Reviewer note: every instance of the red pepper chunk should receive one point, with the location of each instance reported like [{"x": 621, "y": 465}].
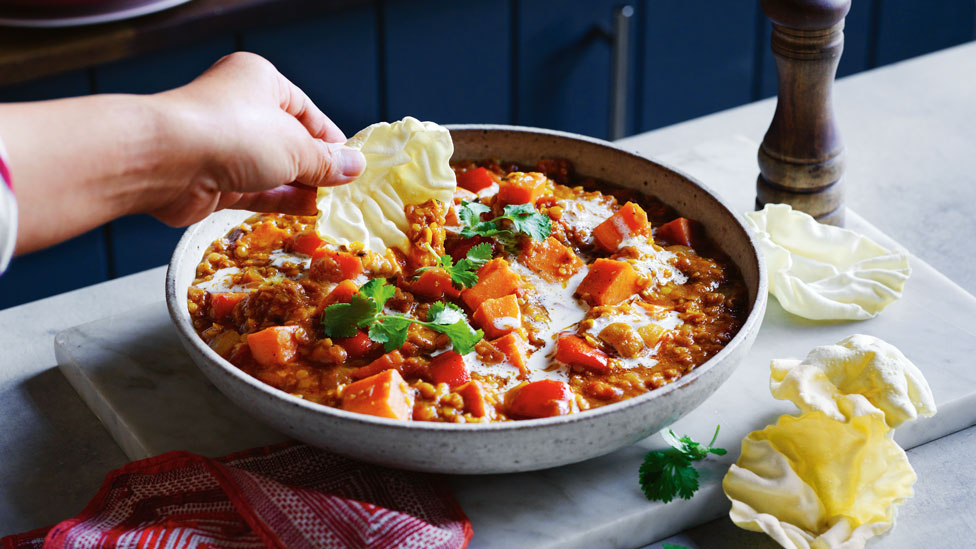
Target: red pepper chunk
[
  {"x": 434, "y": 284},
  {"x": 448, "y": 367},
  {"x": 543, "y": 398},
  {"x": 475, "y": 180},
  {"x": 306, "y": 243},
  {"x": 356, "y": 346},
  {"x": 577, "y": 352}
]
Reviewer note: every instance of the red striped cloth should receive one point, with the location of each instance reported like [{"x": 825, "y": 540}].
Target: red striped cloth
[{"x": 288, "y": 496}]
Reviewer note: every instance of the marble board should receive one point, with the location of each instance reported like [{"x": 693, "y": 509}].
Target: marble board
[{"x": 133, "y": 373}]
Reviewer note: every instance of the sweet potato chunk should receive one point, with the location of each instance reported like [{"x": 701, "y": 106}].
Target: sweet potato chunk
[
  {"x": 389, "y": 361},
  {"x": 223, "y": 303},
  {"x": 543, "y": 398},
  {"x": 513, "y": 346},
  {"x": 273, "y": 347},
  {"x": 629, "y": 220},
  {"x": 307, "y": 242},
  {"x": 384, "y": 394},
  {"x": 679, "y": 231},
  {"x": 608, "y": 283},
  {"x": 550, "y": 259},
  {"x": 474, "y": 398},
  {"x": 521, "y": 188},
  {"x": 498, "y": 316},
  {"x": 334, "y": 266},
  {"x": 495, "y": 279}
]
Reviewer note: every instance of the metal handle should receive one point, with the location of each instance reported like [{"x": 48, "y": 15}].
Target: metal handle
[{"x": 620, "y": 52}]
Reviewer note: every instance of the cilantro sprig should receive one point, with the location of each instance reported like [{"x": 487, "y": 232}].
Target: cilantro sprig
[
  {"x": 523, "y": 219},
  {"x": 464, "y": 273},
  {"x": 365, "y": 312},
  {"x": 666, "y": 474}
]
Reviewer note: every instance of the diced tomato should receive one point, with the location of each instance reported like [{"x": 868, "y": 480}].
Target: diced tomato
[
  {"x": 521, "y": 188},
  {"x": 495, "y": 279},
  {"x": 475, "y": 180},
  {"x": 391, "y": 360},
  {"x": 434, "y": 284},
  {"x": 474, "y": 398},
  {"x": 448, "y": 367},
  {"x": 608, "y": 282},
  {"x": 307, "y": 242},
  {"x": 577, "y": 352},
  {"x": 678, "y": 231},
  {"x": 356, "y": 346},
  {"x": 223, "y": 303},
  {"x": 334, "y": 266},
  {"x": 629, "y": 220},
  {"x": 385, "y": 394},
  {"x": 543, "y": 398},
  {"x": 498, "y": 316},
  {"x": 273, "y": 347}
]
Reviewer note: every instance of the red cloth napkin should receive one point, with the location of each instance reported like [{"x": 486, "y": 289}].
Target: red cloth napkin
[{"x": 288, "y": 495}]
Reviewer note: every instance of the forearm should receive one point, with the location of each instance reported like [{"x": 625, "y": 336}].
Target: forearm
[{"x": 78, "y": 163}]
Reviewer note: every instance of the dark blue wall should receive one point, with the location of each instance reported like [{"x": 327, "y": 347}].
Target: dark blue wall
[{"x": 533, "y": 62}]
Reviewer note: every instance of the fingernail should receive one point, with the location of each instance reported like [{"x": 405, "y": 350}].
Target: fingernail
[{"x": 353, "y": 162}]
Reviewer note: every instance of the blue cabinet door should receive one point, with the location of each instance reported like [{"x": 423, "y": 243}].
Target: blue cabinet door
[
  {"x": 79, "y": 262},
  {"x": 448, "y": 61},
  {"x": 140, "y": 242},
  {"x": 698, "y": 58},
  {"x": 563, "y": 65},
  {"x": 333, "y": 58},
  {"x": 907, "y": 28}
]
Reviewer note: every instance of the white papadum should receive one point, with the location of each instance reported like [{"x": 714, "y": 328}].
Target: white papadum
[
  {"x": 833, "y": 476},
  {"x": 407, "y": 162},
  {"x": 823, "y": 272}
]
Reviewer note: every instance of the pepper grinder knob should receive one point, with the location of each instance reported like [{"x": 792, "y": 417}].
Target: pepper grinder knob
[{"x": 801, "y": 159}]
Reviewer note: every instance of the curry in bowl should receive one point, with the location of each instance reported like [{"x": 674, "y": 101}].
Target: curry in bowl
[{"x": 533, "y": 294}]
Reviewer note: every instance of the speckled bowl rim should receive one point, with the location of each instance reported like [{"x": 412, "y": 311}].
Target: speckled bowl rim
[{"x": 757, "y": 306}]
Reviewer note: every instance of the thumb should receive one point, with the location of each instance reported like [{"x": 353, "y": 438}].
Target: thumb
[{"x": 323, "y": 164}]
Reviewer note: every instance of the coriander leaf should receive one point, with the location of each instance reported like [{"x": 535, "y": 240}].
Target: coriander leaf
[
  {"x": 469, "y": 213},
  {"x": 391, "y": 331},
  {"x": 449, "y": 320},
  {"x": 463, "y": 274},
  {"x": 343, "y": 319},
  {"x": 378, "y": 291},
  {"x": 662, "y": 475},
  {"x": 527, "y": 220},
  {"x": 666, "y": 474}
]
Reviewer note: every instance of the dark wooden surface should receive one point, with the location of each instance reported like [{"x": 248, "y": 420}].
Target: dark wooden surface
[
  {"x": 26, "y": 54},
  {"x": 801, "y": 159}
]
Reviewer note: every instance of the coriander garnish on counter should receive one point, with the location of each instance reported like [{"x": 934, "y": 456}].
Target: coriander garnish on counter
[{"x": 666, "y": 474}]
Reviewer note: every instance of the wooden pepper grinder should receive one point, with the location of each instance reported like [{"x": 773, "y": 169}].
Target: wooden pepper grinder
[{"x": 801, "y": 159}]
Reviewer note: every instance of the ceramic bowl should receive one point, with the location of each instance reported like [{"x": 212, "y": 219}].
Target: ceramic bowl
[{"x": 508, "y": 446}]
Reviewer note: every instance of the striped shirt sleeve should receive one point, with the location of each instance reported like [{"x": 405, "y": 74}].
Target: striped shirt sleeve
[{"x": 8, "y": 213}]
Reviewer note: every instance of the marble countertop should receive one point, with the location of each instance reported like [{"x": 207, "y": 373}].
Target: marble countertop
[{"x": 909, "y": 135}]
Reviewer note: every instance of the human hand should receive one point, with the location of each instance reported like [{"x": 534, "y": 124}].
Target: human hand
[{"x": 242, "y": 136}]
